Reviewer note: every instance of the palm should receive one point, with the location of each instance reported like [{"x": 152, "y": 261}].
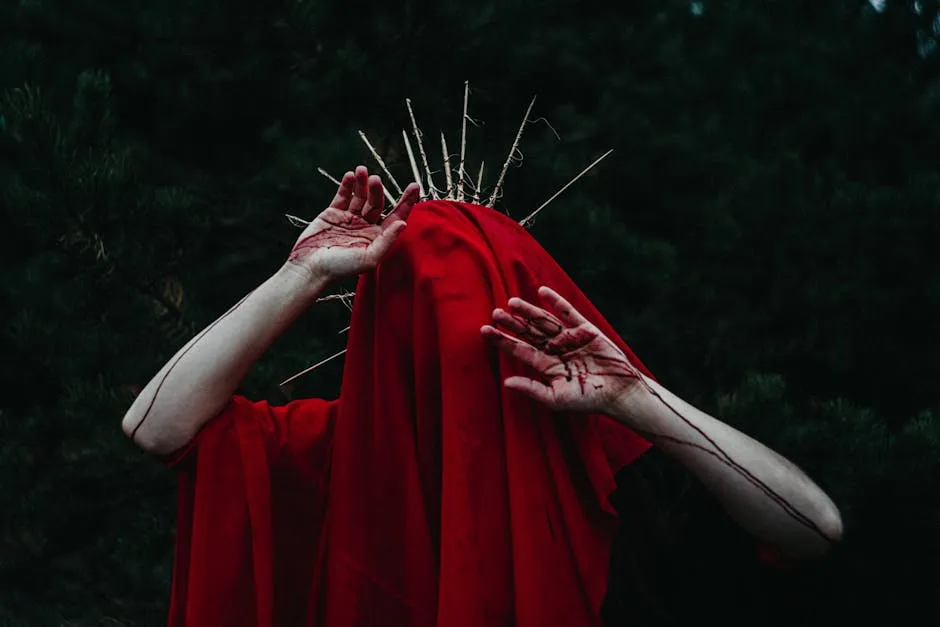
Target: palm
[
  {"x": 579, "y": 368},
  {"x": 339, "y": 242},
  {"x": 582, "y": 377},
  {"x": 347, "y": 238}
]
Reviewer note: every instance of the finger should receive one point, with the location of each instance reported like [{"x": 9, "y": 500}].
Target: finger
[
  {"x": 375, "y": 199},
  {"x": 533, "y": 389},
  {"x": 406, "y": 203},
  {"x": 571, "y": 340},
  {"x": 344, "y": 193},
  {"x": 513, "y": 323},
  {"x": 536, "y": 317},
  {"x": 380, "y": 245},
  {"x": 520, "y": 327},
  {"x": 359, "y": 191},
  {"x": 560, "y": 306},
  {"x": 524, "y": 352}
]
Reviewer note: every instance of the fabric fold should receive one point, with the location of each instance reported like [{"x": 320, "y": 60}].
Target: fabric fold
[{"x": 428, "y": 495}]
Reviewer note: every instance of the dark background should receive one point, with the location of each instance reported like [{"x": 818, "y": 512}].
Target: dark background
[{"x": 761, "y": 235}]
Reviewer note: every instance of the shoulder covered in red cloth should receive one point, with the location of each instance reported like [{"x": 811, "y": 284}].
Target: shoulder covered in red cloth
[{"x": 252, "y": 489}]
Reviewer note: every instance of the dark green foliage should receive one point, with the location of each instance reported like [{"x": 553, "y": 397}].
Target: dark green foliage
[{"x": 770, "y": 207}]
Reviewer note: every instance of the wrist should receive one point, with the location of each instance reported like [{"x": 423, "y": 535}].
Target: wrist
[
  {"x": 307, "y": 284},
  {"x": 635, "y": 405}
]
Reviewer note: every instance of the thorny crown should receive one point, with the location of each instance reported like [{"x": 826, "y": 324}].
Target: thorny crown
[{"x": 457, "y": 188}]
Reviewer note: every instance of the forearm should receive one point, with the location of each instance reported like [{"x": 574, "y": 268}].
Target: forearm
[
  {"x": 198, "y": 382},
  {"x": 765, "y": 493}
]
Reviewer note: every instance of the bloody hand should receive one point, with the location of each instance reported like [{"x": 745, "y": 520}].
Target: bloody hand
[
  {"x": 346, "y": 238},
  {"x": 579, "y": 368},
  {"x": 583, "y": 370}
]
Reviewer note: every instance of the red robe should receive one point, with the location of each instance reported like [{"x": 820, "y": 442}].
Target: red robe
[{"x": 428, "y": 495}]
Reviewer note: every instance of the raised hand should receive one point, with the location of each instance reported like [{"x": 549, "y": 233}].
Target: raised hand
[
  {"x": 580, "y": 369},
  {"x": 347, "y": 238}
]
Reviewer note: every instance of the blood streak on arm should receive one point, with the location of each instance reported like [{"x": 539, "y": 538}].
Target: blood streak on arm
[{"x": 549, "y": 335}]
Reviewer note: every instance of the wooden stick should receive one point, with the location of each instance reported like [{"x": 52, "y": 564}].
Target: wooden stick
[
  {"x": 311, "y": 368},
  {"x": 414, "y": 164},
  {"x": 343, "y": 296},
  {"x": 463, "y": 141},
  {"x": 295, "y": 221},
  {"x": 512, "y": 151},
  {"x": 388, "y": 194},
  {"x": 447, "y": 172},
  {"x": 383, "y": 166},
  {"x": 329, "y": 176},
  {"x": 476, "y": 191},
  {"x": 528, "y": 219},
  {"x": 424, "y": 157}
]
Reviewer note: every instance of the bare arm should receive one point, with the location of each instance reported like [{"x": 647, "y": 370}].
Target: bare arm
[
  {"x": 761, "y": 490},
  {"x": 198, "y": 382},
  {"x": 346, "y": 239},
  {"x": 583, "y": 370}
]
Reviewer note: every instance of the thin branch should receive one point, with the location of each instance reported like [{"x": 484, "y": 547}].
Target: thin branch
[
  {"x": 388, "y": 194},
  {"x": 463, "y": 141},
  {"x": 424, "y": 157},
  {"x": 414, "y": 164},
  {"x": 476, "y": 191},
  {"x": 391, "y": 178},
  {"x": 344, "y": 296},
  {"x": 512, "y": 152},
  {"x": 295, "y": 221},
  {"x": 311, "y": 368},
  {"x": 329, "y": 176},
  {"x": 528, "y": 219},
  {"x": 447, "y": 172}
]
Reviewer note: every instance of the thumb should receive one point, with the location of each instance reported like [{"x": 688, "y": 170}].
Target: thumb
[
  {"x": 533, "y": 389},
  {"x": 386, "y": 238}
]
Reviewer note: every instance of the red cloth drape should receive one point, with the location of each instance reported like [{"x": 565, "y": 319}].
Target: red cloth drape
[{"x": 428, "y": 494}]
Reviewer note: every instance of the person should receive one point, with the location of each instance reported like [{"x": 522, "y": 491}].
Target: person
[{"x": 462, "y": 476}]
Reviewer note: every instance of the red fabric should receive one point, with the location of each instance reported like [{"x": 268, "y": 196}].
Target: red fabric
[
  {"x": 252, "y": 493},
  {"x": 428, "y": 495}
]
